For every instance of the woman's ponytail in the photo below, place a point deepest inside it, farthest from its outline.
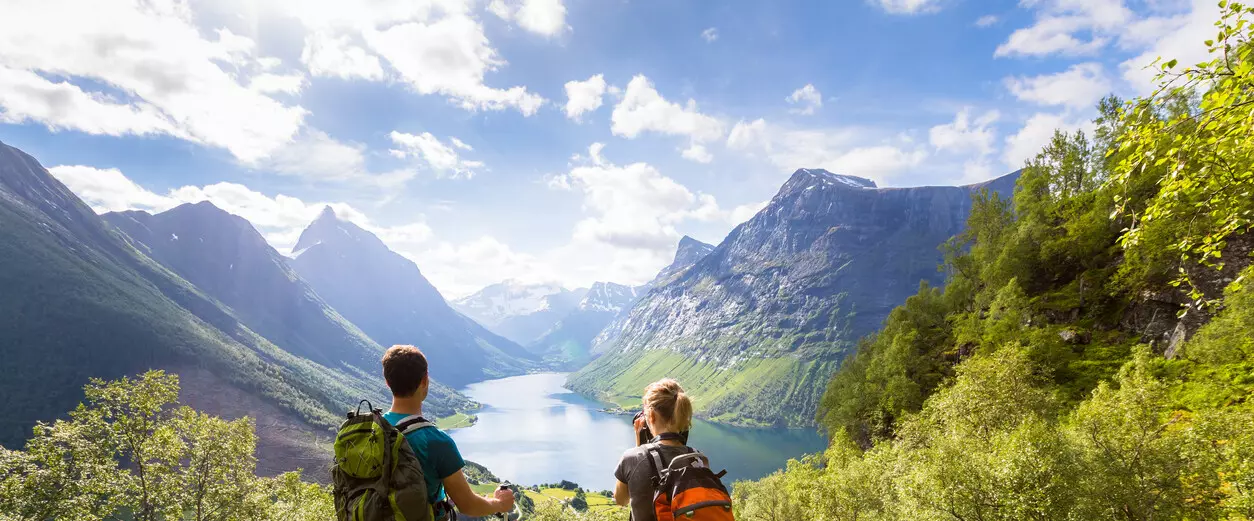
(671, 403)
(683, 412)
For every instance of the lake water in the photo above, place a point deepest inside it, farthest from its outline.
(532, 431)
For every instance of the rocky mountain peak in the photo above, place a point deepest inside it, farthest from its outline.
(608, 296)
(328, 228)
(807, 178)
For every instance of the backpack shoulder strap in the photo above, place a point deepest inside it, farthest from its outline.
(655, 460)
(412, 423)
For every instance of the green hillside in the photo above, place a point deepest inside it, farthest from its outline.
(81, 302)
(1091, 355)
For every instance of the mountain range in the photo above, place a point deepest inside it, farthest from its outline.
(568, 342)
(519, 311)
(687, 253)
(194, 291)
(756, 327)
(753, 327)
(388, 297)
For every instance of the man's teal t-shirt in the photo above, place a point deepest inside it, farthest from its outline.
(437, 453)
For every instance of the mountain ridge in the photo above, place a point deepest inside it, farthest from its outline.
(781, 300)
(81, 301)
(388, 297)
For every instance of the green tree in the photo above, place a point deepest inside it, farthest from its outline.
(1207, 193)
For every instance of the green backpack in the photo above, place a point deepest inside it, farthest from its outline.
(376, 476)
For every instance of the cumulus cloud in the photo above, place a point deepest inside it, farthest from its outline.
(987, 20)
(1175, 36)
(807, 99)
(1036, 133)
(908, 6)
(450, 56)
(966, 135)
(1082, 27)
(643, 109)
(745, 212)
(698, 153)
(1079, 87)
(584, 96)
(331, 56)
(267, 83)
(841, 150)
(543, 17)
(443, 159)
(280, 218)
(173, 79)
(632, 206)
(710, 34)
(435, 47)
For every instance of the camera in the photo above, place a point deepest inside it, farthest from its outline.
(644, 436)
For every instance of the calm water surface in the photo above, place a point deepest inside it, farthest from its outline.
(533, 431)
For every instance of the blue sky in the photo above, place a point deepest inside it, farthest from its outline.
(552, 140)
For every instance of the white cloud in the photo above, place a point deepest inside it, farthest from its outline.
(745, 212)
(964, 135)
(987, 20)
(461, 144)
(459, 269)
(279, 218)
(698, 153)
(643, 109)
(710, 34)
(268, 83)
(543, 17)
(746, 136)
(108, 190)
(1036, 133)
(1051, 35)
(1178, 37)
(809, 99)
(162, 75)
(841, 150)
(908, 6)
(29, 97)
(632, 206)
(441, 158)
(450, 57)
(316, 155)
(1079, 87)
(584, 96)
(326, 55)
(1073, 27)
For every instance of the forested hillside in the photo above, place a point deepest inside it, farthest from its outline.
(1091, 355)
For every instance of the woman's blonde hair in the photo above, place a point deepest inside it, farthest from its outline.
(671, 403)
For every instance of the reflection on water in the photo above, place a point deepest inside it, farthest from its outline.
(533, 431)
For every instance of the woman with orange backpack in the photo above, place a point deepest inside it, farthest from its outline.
(661, 478)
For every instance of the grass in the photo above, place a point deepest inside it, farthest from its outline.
(756, 392)
(456, 421)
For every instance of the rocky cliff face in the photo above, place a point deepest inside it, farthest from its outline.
(687, 253)
(781, 301)
(223, 255)
(566, 345)
(386, 295)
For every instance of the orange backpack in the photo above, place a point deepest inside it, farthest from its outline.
(688, 490)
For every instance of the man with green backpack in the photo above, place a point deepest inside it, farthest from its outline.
(378, 478)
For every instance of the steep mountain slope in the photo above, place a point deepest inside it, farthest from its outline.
(387, 296)
(80, 301)
(520, 312)
(229, 260)
(687, 253)
(754, 328)
(567, 344)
